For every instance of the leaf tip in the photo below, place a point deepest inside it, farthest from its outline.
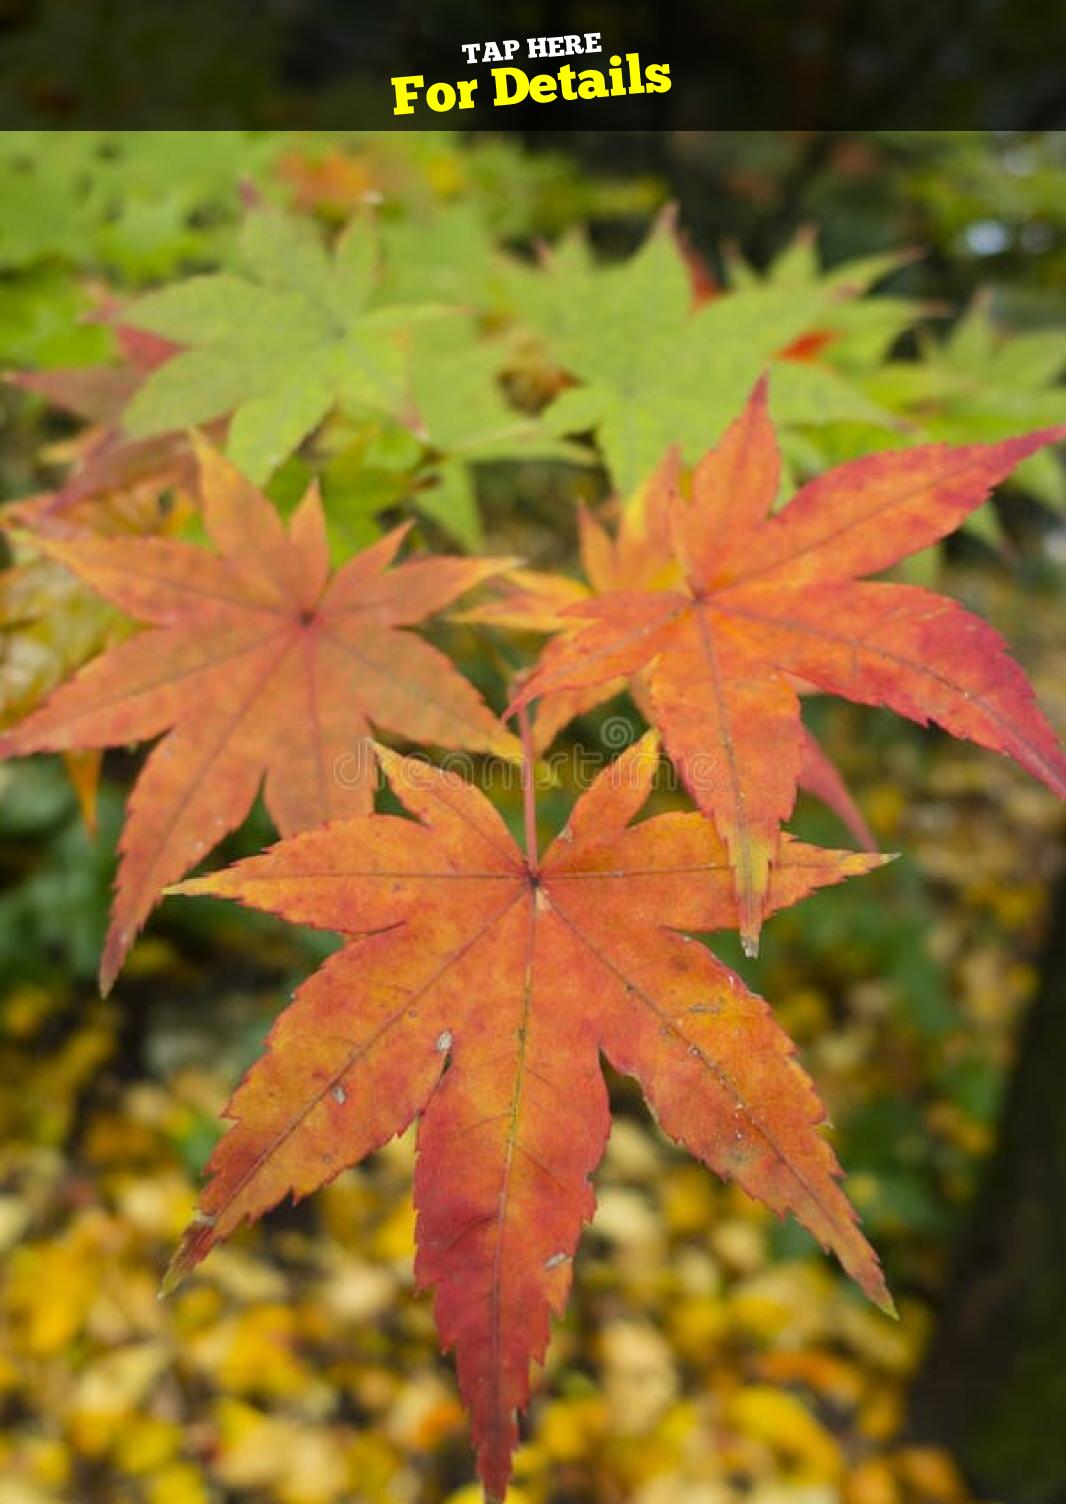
(649, 744)
(752, 882)
(199, 1239)
(170, 1282)
(200, 444)
(859, 862)
(507, 747)
(665, 223)
(177, 1269)
(644, 753)
(760, 392)
(387, 758)
(111, 962)
(502, 563)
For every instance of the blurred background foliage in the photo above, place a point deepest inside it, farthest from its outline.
(560, 322)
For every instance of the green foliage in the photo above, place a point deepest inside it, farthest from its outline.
(41, 321)
(975, 384)
(136, 203)
(276, 344)
(391, 337)
(979, 384)
(465, 418)
(655, 371)
(859, 331)
(448, 254)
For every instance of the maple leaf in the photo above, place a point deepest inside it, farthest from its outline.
(276, 345)
(859, 330)
(984, 383)
(257, 662)
(640, 556)
(515, 973)
(767, 600)
(654, 371)
(458, 420)
(448, 256)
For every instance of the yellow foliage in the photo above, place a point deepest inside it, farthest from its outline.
(882, 1414)
(687, 1199)
(786, 1298)
(394, 1240)
(303, 1464)
(46, 1461)
(109, 1390)
(782, 1422)
(473, 1495)
(567, 1430)
(177, 1483)
(49, 1291)
(145, 1442)
(697, 1325)
(254, 1353)
(639, 1376)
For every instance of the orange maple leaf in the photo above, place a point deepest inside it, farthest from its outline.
(515, 973)
(639, 557)
(765, 601)
(257, 662)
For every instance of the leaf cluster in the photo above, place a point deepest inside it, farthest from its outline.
(355, 361)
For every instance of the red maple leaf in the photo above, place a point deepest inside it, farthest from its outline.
(257, 662)
(765, 601)
(464, 952)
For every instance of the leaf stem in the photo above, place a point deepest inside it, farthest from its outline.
(529, 799)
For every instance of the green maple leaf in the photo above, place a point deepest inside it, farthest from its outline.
(976, 385)
(278, 343)
(981, 384)
(654, 372)
(1002, 385)
(863, 329)
(448, 255)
